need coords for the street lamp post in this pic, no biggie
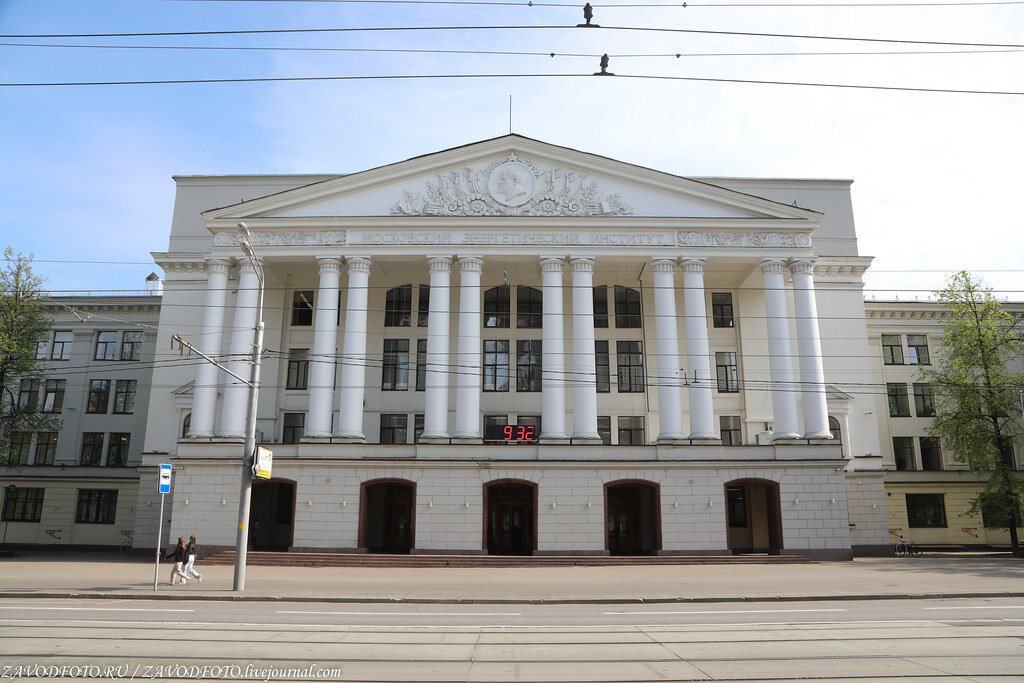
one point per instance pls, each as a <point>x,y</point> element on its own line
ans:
<point>245,495</point>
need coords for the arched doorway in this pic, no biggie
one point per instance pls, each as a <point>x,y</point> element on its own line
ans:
<point>510,522</point>
<point>632,512</point>
<point>272,514</point>
<point>754,516</point>
<point>387,516</point>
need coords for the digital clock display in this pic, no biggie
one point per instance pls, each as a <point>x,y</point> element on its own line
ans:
<point>519,433</point>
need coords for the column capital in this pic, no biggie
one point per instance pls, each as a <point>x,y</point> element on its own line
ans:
<point>804,265</point>
<point>663,265</point>
<point>551,265</point>
<point>693,265</point>
<point>439,263</point>
<point>773,265</point>
<point>217,264</point>
<point>471,264</point>
<point>329,265</point>
<point>359,264</point>
<point>246,265</point>
<point>582,264</point>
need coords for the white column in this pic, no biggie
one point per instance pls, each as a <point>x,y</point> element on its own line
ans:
<point>325,343</point>
<point>584,377</point>
<point>236,393</point>
<point>353,353</point>
<point>670,394</point>
<point>435,418</point>
<point>204,392</point>
<point>470,369</point>
<point>698,352</point>
<point>812,372</point>
<point>780,361</point>
<point>552,421</point>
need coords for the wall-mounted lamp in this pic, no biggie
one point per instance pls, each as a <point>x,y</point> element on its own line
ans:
<point>149,503</point>
<point>223,501</point>
<point>554,504</point>
<point>711,502</point>
<point>310,502</point>
<point>431,503</point>
<point>832,500</point>
<point>344,502</point>
<point>467,503</point>
<point>131,508</point>
<point>186,501</point>
<point>796,501</point>
<point>589,504</point>
<point>676,503</point>
<point>874,506</point>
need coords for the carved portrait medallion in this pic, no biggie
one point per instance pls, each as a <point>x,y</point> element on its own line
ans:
<point>512,183</point>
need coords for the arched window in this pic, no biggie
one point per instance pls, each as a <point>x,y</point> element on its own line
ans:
<point>529,307</point>
<point>627,307</point>
<point>833,426</point>
<point>497,308</point>
<point>186,425</point>
<point>398,306</point>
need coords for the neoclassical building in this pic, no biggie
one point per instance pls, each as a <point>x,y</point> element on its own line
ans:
<point>517,348</point>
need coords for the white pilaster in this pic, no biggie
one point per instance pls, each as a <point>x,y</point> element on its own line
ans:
<point>812,372</point>
<point>552,421</point>
<point>698,352</point>
<point>204,392</point>
<point>780,359</point>
<point>236,393</point>
<point>470,369</point>
<point>670,395</point>
<point>325,342</point>
<point>584,377</point>
<point>435,418</point>
<point>353,354</point>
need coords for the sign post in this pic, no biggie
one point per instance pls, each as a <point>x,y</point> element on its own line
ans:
<point>165,488</point>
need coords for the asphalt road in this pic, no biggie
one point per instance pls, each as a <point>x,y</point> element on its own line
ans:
<point>905,640</point>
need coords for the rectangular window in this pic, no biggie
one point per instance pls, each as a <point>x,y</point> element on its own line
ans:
<point>423,307</point>
<point>728,375</point>
<point>131,345</point>
<point>298,369</point>
<point>46,447</point>
<point>899,403</point>
<point>903,453</point>
<point>497,307</point>
<point>924,402</point>
<point>931,455</point>
<point>99,396</point>
<point>528,365</point>
<point>124,396</point>
<point>394,428</point>
<point>732,432</point>
<point>22,504</point>
<point>601,306</point>
<point>294,427</point>
<point>495,365</point>
<point>629,359</point>
<point>627,307</point>
<point>96,506</point>
<point>631,430</point>
<point>117,451</point>
<point>926,510</point>
<point>43,347</point>
<point>721,309</point>
<point>398,306</point>
<point>302,308</point>
<point>529,307</point>
<point>892,349</point>
<point>601,364</point>
<point>92,448</point>
<point>418,421</point>
<point>54,400</point>
<point>421,365</point>
<point>106,346</point>
<point>528,425</point>
<point>21,447</point>
<point>604,428</point>
<point>917,349</point>
<point>28,394</point>
<point>61,346</point>
<point>494,428</point>
<point>395,376</point>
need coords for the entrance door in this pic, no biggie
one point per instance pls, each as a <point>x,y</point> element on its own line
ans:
<point>510,519</point>
<point>632,518</point>
<point>754,516</point>
<point>388,517</point>
<point>271,515</point>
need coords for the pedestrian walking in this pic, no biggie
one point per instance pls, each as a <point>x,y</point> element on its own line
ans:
<point>178,557</point>
<point>191,550</point>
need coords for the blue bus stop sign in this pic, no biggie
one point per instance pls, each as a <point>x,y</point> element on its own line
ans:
<point>165,478</point>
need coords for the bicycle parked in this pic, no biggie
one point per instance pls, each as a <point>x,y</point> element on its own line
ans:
<point>905,549</point>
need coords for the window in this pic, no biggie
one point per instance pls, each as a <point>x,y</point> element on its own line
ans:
<point>627,307</point>
<point>631,430</point>
<point>302,308</point>
<point>92,448</point>
<point>298,369</point>
<point>532,421</point>
<point>421,365</point>
<point>61,346</point>
<point>46,448</point>
<point>417,427</point>
<point>833,427</point>
<point>21,446</point>
<point>892,349</point>
<point>899,404</point>
<point>528,365</point>
<point>423,307</point>
<point>924,402</point>
<point>394,428</point>
<point>494,428</point>
<point>601,306</point>
<point>495,365</point>
<point>926,510</point>
<point>917,349</point>
<point>903,453</point>
<point>28,395</point>
<point>728,377</point>
<point>124,396</point>
<point>99,396</point>
<point>117,451</point>
<point>630,363</point>
<point>23,505</point>
<point>131,345</point>
<point>186,425</point>
<point>106,346</point>
<point>54,400</point>
<point>294,427</point>
<point>395,376</point>
<point>43,347</point>
<point>732,432</point>
<point>604,428</point>
<point>96,506</point>
<point>604,375</point>
<point>398,307</point>
<point>721,309</point>
<point>497,307</point>
<point>931,455</point>
<point>529,308</point>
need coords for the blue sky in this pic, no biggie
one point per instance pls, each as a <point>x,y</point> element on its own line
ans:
<point>85,172</point>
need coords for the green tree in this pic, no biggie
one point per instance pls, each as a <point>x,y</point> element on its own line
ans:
<point>23,326</point>
<point>978,409</point>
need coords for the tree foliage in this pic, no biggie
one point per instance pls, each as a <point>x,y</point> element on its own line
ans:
<point>23,327</point>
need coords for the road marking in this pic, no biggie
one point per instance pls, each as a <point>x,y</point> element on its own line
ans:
<point>101,609</point>
<point>412,614</point>
<point>734,611</point>
<point>980,607</point>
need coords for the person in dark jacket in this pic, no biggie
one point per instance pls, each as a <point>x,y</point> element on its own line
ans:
<point>178,558</point>
<point>191,550</point>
